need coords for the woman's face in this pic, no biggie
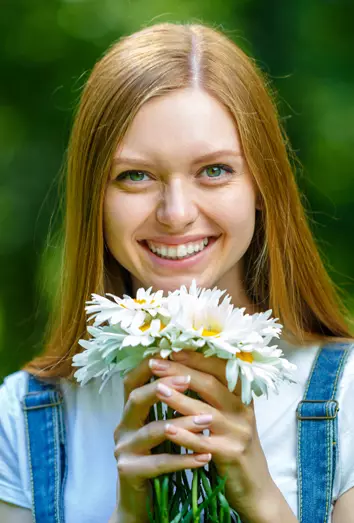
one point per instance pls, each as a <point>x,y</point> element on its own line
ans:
<point>180,203</point>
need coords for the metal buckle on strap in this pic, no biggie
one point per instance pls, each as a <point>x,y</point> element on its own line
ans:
<point>299,417</point>
<point>43,405</point>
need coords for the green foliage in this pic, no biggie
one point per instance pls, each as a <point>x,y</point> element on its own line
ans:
<point>48,49</point>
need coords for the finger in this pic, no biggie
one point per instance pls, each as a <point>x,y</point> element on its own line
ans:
<point>152,434</point>
<point>214,366</point>
<point>137,378</point>
<point>222,422</point>
<point>140,400</point>
<point>221,448</point>
<point>207,386</point>
<point>147,467</point>
<point>183,404</point>
<point>199,443</point>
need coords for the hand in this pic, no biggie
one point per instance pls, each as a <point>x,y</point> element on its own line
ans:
<point>134,439</point>
<point>233,441</point>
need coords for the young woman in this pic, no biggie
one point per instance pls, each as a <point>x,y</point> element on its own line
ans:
<point>176,142</point>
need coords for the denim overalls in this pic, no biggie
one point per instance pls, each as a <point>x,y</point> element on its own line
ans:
<point>316,454</point>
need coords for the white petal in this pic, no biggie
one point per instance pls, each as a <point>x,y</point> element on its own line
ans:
<point>164,353</point>
<point>246,395</point>
<point>232,370</point>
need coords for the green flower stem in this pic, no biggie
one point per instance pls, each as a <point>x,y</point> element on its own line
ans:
<point>195,495</point>
<point>158,497</point>
<point>185,480</point>
<point>236,516</point>
<point>225,508</point>
<point>148,509</point>
<point>164,500</point>
<point>183,511</point>
<point>189,516</point>
<point>208,491</point>
<point>174,504</point>
<point>159,411</point>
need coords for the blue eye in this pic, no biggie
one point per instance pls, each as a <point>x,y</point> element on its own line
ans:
<point>132,176</point>
<point>217,171</point>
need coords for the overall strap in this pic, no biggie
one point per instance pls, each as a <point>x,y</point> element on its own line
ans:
<point>43,412</point>
<point>318,434</point>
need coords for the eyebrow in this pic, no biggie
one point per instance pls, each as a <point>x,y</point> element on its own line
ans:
<point>203,158</point>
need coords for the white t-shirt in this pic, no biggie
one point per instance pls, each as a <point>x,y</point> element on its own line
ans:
<point>91,418</point>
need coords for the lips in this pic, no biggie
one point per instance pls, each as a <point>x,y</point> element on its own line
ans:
<point>178,240</point>
<point>176,263</point>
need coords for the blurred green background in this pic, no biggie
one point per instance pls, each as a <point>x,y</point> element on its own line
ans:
<point>48,48</point>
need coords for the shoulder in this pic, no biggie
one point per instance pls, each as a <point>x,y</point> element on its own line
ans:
<point>345,395</point>
<point>344,478</point>
<point>14,472</point>
<point>348,371</point>
<point>12,392</point>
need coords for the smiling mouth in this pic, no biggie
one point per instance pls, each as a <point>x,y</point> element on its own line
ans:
<point>179,252</point>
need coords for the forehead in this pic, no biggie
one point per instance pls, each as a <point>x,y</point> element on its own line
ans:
<point>184,123</point>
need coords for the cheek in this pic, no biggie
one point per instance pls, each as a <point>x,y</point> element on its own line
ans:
<point>235,212</point>
<point>123,215</point>
<point>114,218</point>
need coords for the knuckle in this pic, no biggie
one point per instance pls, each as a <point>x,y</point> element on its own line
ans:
<point>209,382</point>
<point>160,464</point>
<point>128,383</point>
<point>122,466</point>
<point>152,429</point>
<point>245,438</point>
<point>133,399</point>
<point>204,444</point>
<point>118,451</point>
<point>249,416</point>
<point>117,433</point>
<point>121,446</point>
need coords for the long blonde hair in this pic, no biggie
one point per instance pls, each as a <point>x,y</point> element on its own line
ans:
<point>283,269</point>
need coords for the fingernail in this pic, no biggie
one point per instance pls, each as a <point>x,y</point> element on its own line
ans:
<point>203,419</point>
<point>181,380</point>
<point>179,356</point>
<point>158,364</point>
<point>164,390</point>
<point>171,429</point>
<point>204,458</point>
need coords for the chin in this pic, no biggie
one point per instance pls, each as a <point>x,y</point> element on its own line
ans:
<point>175,282</point>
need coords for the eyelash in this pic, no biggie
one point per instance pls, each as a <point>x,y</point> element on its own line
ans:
<point>123,176</point>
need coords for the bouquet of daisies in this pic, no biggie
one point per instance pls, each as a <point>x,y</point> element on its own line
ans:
<point>127,330</point>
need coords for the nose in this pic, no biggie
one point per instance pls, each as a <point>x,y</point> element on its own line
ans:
<point>177,208</point>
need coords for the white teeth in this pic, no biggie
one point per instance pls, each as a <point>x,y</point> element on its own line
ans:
<point>179,251</point>
<point>172,252</point>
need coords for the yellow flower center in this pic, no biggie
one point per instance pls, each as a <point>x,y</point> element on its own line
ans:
<point>141,302</point>
<point>210,333</point>
<point>245,356</point>
<point>145,327</point>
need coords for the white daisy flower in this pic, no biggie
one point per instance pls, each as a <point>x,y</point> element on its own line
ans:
<point>110,350</point>
<point>259,372</point>
<point>221,326</point>
<point>124,310</point>
<point>169,341</point>
<point>142,334</point>
<point>191,319</point>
